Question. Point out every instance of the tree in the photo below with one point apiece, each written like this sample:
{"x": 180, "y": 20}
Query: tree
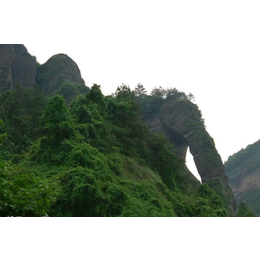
{"x": 140, "y": 90}
{"x": 124, "y": 92}
{"x": 56, "y": 121}
{"x": 174, "y": 93}
{"x": 20, "y": 111}
{"x": 209, "y": 203}
{"x": 191, "y": 97}
{"x": 22, "y": 193}
{"x": 244, "y": 210}
{"x": 159, "y": 92}
{"x": 163, "y": 160}
{"x": 95, "y": 96}
{"x": 71, "y": 90}
{"x": 89, "y": 114}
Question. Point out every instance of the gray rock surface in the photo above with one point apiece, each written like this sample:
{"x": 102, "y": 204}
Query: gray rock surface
{"x": 17, "y": 66}
{"x": 57, "y": 70}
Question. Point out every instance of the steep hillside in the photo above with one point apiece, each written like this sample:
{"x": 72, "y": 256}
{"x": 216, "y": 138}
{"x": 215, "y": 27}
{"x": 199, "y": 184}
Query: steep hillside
{"x": 243, "y": 171}
{"x": 95, "y": 158}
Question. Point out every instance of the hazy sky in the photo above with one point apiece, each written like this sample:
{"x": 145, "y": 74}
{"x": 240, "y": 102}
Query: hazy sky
{"x": 208, "y": 48}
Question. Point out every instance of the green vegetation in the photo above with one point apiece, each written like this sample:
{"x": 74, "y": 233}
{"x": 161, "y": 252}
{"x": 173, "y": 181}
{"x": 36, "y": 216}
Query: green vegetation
{"x": 247, "y": 158}
{"x": 20, "y": 111}
{"x": 92, "y": 156}
{"x": 244, "y": 211}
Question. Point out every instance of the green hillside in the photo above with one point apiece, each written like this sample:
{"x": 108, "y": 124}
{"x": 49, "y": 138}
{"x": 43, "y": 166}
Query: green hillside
{"x": 93, "y": 156}
{"x": 68, "y": 150}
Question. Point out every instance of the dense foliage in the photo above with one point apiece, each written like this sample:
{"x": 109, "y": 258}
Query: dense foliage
{"x": 20, "y": 110}
{"x": 244, "y": 211}
{"x": 93, "y": 156}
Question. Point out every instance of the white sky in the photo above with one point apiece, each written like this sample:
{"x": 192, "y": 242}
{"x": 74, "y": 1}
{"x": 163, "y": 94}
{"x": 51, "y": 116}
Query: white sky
{"x": 208, "y": 48}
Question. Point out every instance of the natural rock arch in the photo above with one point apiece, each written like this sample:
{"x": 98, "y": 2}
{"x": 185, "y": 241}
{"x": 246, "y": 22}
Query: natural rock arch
{"x": 180, "y": 121}
{"x": 189, "y": 161}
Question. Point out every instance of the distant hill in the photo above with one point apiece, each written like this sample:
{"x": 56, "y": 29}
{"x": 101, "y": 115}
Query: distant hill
{"x": 243, "y": 171}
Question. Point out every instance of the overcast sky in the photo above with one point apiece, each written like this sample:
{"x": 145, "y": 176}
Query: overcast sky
{"x": 208, "y": 48}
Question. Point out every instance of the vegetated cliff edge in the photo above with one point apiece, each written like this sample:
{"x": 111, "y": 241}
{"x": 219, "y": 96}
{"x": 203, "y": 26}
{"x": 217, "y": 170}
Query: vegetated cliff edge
{"x": 243, "y": 171}
{"x": 180, "y": 121}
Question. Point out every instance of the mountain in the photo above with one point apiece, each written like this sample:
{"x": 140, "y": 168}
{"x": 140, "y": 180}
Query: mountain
{"x": 67, "y": 150}
{"x": 243, "y": 171}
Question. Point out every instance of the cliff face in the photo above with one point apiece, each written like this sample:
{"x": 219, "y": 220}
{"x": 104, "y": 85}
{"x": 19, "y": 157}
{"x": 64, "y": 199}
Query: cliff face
{"x": 57, "y": 70}
{"x": 180, "y": 121}
{"x": 243, "y": 171}
{"x": 16, "y": 66}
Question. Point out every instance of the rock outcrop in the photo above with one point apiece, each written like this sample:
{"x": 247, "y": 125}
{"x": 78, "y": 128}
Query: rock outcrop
{"x": 180, "y": 121}
{"x": 57, "y": 70}
{"x": 17, "y": 66}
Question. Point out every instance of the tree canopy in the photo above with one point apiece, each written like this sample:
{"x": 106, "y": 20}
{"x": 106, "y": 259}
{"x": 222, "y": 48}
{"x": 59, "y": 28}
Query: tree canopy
{"x": 92, "y": 155}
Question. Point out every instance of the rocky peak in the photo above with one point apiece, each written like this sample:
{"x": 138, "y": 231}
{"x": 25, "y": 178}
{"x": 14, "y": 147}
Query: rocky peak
{"x": 57, "y": 70}
{"x": 17, "y": 66}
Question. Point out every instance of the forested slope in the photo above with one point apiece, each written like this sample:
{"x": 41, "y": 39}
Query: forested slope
{"x": 94, "y": 157}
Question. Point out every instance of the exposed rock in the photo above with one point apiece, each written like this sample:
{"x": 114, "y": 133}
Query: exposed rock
{"x": 17, "y": 66}
{"x": 57, "y": 70}
{"x": 180, "y": 120}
